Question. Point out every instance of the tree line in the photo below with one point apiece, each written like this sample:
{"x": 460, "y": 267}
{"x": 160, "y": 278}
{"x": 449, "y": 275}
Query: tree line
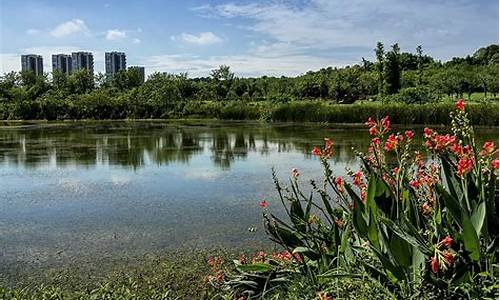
{"x": 394, "y": 76}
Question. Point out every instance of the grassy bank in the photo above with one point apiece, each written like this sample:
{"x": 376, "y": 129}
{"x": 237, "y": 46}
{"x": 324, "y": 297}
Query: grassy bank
{"x": 179, "y": 275}
{"x": 321, "y": 111}
{"x": 481, "y": 113}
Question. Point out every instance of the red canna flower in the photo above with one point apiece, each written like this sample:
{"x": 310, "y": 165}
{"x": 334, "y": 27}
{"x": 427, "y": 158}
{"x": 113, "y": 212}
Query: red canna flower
{"x": 409, "y": 134}
{"x": 370, "y": 122}
{"x": 415, "y": 183}
{"x": 464, "y": 166}
{"x": 385, "y": 123}
{"x": 494, "y": 164}
{"x": 460, "y": 104}
{"x": 357, "y": 178}
{"x": 434, "y": 265}
{"x": 426, "y": 208}
{"x": 376, "y": 141}
{"x": 315, "y": 151}
{"x": 488, "y": 149}
{"x": 427, "y": 132}
{"x": 263, "y": 204}
{"x": 391, "y": 143}
{"x": 447, "y": 241}
{"x": 340, "y": 183}
{"x": 373, "y": 130}
{"x": 323, "y": 296}
{"x": 449, "y": 258}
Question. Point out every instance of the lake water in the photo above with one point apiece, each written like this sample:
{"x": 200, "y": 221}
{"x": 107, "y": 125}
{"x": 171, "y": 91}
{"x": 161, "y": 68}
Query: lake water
{"x": 109, "y": 189}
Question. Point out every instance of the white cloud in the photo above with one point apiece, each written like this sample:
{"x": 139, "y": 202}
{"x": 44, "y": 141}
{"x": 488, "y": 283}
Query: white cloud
{"x": 9, "y": 62}
{"x": 325, "y": 25}
{"x": 202, "y": 39}
{"x": 249, "y": 64}
{"x": 136, "y": 41}
{"x": 115, "y": 35}
{"x": 70, "y": 27}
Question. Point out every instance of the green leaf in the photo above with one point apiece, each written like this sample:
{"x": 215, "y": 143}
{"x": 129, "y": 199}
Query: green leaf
{"x": 451, "y": 203}
{"x": 478, "y": 216}
{"x": 401, "y": 250}
{"x": 255, "y": 267}
{"x": 372, "y": 212}
{"x": 470, "y": 238}
{"x": 297, "y": 215}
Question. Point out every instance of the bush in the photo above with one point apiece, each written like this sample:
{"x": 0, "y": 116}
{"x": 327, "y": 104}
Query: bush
{"x": 413, "y": 95}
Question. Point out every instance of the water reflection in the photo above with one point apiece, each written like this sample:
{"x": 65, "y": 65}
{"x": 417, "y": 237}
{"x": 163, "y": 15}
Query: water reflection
{"x": 136, "y": 144}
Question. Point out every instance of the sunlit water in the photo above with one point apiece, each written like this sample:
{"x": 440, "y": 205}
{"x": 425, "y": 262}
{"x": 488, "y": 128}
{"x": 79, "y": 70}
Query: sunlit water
{"x": 76, "y": 190}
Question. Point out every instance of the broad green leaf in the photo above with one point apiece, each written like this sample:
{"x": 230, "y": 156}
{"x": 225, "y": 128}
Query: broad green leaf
{"x": 401, "y": 250}
{"x": 372, "y": 209}
{"x": 451, "y": 203}
{"x": 478, "y": 216}
{"x": 255, "y": 267}
{"x": 297, "y": 215}
{"x": 470, "y": 238}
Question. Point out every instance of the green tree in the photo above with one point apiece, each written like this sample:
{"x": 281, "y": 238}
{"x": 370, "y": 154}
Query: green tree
{"x": 379, "y": 53}
{"x": 392, "y": 70}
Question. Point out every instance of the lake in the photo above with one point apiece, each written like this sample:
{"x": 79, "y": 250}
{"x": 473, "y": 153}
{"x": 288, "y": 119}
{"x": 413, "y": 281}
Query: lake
{"x": 77, "y": 190}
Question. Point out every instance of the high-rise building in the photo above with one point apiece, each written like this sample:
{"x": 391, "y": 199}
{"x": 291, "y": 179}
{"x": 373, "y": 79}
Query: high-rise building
{"x": 140, "y": 71}
{"x": 115, "y": 61}
{"x": 62, "y": 62}
{"x": 32, "y": 62}
{"x": 83, "y": 60}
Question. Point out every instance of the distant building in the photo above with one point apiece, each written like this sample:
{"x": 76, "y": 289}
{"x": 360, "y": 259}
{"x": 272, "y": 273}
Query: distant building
{"x": 62, "y": 62}
{"x": 32, "y": 62}
{"x": 115, "y": 61}
{"x": 82, "y": 61}
{"x": 139, "y": 70}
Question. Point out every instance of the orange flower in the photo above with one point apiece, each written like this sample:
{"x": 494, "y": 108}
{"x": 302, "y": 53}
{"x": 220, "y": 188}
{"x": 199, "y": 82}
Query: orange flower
{"x": 323, "y": 296}
{"x": 340, "y": 183}
{"x": 427, "y": 132}
{"x": 494, "y": 164}
{"x": 449, "y": 258}
{"x": 434, "y": 265}
{"x": 391, "y": 143}
{"x": 464, "y": 166}
{"x": 488, "y": 149}
{"x": 447, "y": 241}
{"x": 357, "y": 178}
{"x": 385, "y": 123}
{"x": 415, "y": 183}
{"x": 426, "y": 208}
{"x": 315, "y": 151}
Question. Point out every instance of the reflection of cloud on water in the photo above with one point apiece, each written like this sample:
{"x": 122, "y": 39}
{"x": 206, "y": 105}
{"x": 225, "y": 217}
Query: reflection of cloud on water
{"x": 202, "y": 174}
{"x": 120, "y": 179}
{"x": 72, "y": 185}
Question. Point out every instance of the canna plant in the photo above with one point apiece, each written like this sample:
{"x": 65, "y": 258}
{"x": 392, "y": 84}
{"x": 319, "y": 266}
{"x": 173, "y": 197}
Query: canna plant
{"x": 417, "y": 225}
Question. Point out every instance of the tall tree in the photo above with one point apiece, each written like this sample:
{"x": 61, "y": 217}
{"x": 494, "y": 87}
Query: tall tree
{"x": 419, "y": 65}
{"x": 379, "y": 53}
{"x": 392, "y": 70}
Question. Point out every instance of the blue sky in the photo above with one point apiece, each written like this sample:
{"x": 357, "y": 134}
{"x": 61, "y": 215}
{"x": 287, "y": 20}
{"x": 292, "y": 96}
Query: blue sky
{"x": 253, "y": 37}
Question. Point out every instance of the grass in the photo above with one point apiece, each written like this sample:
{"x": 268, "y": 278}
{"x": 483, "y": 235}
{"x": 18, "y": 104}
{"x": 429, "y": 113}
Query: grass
{"x": 178, "y": 275}
{"x": 327, "y": 112}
